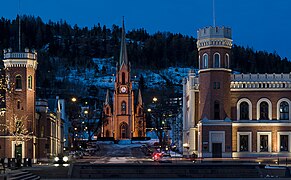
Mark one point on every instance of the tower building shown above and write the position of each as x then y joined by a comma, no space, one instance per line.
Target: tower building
233,115
123,119
18,136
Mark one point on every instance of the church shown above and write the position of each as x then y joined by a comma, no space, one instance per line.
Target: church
233,115
124,117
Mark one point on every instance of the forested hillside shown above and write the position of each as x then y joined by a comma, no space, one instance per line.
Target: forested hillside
61,45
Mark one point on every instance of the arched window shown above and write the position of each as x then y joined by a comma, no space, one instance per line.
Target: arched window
29,81
216,110
244,111
205,60
123,78
216,62
18,104
241,108
284,110
18,83
107,110
123,107
264,110
226,61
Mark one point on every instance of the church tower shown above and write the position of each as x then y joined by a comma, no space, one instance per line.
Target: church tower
123,105
20,70
124,118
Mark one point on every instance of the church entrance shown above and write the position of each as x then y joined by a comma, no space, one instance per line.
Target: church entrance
124,130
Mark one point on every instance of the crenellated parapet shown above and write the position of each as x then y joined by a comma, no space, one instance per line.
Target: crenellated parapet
20,59
214,37
260,82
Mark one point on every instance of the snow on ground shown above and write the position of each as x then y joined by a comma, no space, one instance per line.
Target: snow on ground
153,79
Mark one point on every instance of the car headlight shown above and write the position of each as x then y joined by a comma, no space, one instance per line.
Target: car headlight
65,158
57,159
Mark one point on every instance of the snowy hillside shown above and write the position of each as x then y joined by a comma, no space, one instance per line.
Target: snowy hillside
104,76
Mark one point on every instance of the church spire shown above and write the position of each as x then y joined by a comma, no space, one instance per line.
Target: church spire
123,53
139,97
107,97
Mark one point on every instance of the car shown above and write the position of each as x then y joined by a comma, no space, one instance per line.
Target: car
61,159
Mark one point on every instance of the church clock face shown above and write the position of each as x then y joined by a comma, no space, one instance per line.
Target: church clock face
123,89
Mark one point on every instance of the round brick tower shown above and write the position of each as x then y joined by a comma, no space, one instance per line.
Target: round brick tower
214,47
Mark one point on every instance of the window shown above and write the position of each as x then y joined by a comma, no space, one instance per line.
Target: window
264,143
123,78
123,107
29,82
284,110
18,84
216,110
284,143
264,110
216,85
244,111
107,110
216,60
205,60
226,60
18,104
244,143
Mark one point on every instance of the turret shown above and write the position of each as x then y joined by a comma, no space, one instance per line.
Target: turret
214,47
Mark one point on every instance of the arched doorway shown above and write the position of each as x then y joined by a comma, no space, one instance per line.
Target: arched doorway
124,130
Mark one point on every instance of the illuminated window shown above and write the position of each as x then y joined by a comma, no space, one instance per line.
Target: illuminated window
244,111
284,110
29,82
18,84
205,60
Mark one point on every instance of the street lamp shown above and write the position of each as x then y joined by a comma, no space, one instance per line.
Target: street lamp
74,99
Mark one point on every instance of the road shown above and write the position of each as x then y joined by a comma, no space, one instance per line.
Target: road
115,153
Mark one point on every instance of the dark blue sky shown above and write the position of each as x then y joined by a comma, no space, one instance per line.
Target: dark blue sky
261,24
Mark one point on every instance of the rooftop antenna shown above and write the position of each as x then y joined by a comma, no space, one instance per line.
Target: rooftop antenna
213,12
19,27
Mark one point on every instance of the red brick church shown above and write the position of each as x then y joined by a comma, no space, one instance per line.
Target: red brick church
124,117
